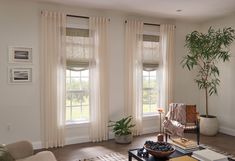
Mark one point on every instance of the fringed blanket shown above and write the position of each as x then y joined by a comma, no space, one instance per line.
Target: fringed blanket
175,119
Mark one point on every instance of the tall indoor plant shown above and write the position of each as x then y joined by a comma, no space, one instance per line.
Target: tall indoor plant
205,50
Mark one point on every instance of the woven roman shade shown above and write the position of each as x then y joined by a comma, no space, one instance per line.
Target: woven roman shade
152,38
77,65
150,52
77,59
150,66
77,32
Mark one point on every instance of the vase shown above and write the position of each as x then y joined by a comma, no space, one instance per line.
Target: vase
209,125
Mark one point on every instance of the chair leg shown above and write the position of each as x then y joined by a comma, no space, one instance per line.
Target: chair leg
198,135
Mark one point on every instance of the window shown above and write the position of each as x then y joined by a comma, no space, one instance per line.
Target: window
77,76
150,92
77,95
151,75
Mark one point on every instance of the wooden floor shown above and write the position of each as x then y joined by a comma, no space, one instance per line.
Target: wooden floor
87,150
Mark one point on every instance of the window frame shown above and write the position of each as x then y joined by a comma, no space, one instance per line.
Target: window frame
80,105
77,65
158,83
157,90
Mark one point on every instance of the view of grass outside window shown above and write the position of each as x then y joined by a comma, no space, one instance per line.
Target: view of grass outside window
151,95
150,92
77,98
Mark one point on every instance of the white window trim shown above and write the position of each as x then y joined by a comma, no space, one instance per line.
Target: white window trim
73,124
77,122
158,75
151,117
151,114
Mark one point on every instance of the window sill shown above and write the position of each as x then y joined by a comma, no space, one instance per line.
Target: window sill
77,124
150,116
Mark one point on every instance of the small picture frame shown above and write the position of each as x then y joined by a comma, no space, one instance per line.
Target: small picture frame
19,75
20,55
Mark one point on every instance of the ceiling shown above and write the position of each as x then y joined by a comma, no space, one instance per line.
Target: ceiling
193,10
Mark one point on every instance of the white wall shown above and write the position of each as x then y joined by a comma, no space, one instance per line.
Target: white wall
20,104
223,105
186,90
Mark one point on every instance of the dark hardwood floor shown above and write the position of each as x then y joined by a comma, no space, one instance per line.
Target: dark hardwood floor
88,150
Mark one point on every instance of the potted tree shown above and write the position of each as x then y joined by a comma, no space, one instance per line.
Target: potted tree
204,53
122,130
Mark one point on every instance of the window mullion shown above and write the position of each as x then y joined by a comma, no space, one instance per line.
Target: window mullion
71,97
80,74
149,92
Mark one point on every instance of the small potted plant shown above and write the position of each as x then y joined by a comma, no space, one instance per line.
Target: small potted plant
122,130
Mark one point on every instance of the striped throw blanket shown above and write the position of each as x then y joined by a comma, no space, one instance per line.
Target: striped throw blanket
175,119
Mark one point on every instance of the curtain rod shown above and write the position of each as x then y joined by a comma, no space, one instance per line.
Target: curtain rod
150,24
76,16
68,15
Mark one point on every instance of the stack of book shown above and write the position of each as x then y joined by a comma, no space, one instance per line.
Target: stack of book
185,146
183,158
209,155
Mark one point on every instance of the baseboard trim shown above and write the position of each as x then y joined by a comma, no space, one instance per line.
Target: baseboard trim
37,145
111,135
68,141
76,140
228,131
84,139
150,130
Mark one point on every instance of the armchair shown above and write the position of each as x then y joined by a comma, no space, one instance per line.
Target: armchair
23,151
192,123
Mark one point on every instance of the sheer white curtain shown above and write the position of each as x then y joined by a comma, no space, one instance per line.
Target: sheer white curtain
167,40
52,65
133,72
98,65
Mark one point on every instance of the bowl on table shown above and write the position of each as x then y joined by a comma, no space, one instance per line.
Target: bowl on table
159,149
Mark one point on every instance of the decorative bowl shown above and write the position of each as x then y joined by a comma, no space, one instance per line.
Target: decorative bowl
159,153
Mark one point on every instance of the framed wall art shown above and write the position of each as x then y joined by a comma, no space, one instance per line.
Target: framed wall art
20,55
17,75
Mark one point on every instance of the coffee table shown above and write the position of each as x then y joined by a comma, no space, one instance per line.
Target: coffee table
132,153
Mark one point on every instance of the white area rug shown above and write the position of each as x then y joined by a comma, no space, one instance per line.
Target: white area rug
109,157
218,151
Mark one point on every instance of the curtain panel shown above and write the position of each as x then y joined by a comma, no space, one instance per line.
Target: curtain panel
167,40
53,65
133,72
99,83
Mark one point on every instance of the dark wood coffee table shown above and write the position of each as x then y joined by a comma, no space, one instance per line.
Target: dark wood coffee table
132,153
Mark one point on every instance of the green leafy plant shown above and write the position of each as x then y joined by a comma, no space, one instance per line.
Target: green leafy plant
123,126
204,52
